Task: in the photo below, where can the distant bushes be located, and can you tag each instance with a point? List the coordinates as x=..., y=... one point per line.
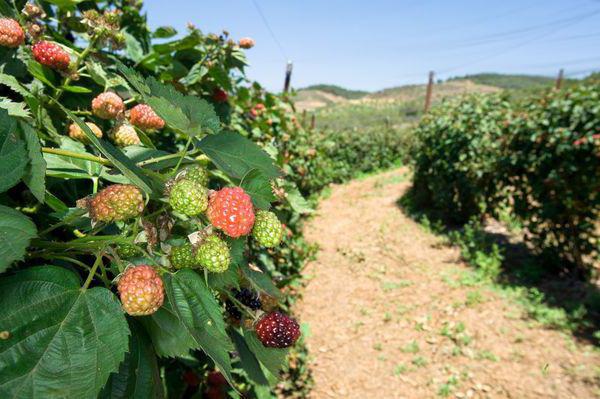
x=541, y=157
x=322, y=158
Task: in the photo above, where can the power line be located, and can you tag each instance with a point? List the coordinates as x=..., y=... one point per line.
x=571, y=21
x=264, y=19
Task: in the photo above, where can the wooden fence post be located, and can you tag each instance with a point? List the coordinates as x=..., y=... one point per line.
x=559, y=79
x=288, y=76
x=429, y=92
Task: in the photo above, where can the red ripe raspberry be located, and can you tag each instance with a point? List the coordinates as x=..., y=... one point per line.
x=220, y=95
x=116, y=202
x=144, y=117
x=11, y=33
x=141, y=290
x=276, y=330
x=51, y=55
x=107, y=105
x=246, y=42
x=230, y=209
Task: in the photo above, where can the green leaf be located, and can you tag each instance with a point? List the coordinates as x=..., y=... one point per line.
x=64, y=342
x=198, y=71
x=67, y=4
x=41, y=73
x=133, y=48
x=103, y=77
x=169, y=335
x=164, y=32
x=16, y=230
x=133, y=172
x=237, y=156
x=13, y=83
x=250, y=363
x=189, y=114
x=260, y=281
x=227, y=279
x=134, y=79
x=258, y=186
x=69, y=167
x=272, y=358
x=138, y=376
x=35, y=174
x=15, y=109
x=139, y=154
x=13, y=155
x=76, y=89
x=6, y=10
x=201, y=316
x=296, y=201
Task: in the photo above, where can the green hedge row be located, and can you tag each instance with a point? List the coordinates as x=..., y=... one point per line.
x=540, y=157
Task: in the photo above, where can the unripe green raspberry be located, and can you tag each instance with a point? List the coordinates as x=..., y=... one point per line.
x=188, y=197
x=182, y=256
x=198, y=174
x=213, y=254
x=267, y=230
x=127, y=250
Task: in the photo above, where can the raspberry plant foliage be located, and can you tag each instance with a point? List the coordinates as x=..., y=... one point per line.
x=90, y=240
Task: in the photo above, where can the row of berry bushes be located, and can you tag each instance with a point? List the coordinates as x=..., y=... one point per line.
x=539, y=157
x=148, y=249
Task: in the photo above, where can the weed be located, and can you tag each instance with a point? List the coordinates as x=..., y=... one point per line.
x=412, y=347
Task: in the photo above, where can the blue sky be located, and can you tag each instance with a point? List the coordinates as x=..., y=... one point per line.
x=374, y=44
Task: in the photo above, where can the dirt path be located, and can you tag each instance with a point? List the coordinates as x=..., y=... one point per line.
x=390, y=316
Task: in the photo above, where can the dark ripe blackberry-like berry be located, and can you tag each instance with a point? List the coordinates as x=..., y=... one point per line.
x=277, y=330
x=248, y=298
x=233, y=311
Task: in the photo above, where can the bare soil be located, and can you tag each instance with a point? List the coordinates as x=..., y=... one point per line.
x=391, y=316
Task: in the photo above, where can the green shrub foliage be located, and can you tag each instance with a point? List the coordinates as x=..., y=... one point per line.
x=553, y=168
x=539, y=157
x=456, y=154
x=63, y=332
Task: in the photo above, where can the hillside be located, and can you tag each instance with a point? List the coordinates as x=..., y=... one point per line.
x=510, y=82
x=323, y=95
x=338, y=91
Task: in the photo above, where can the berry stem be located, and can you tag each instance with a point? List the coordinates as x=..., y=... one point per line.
x=183, y=154
x=71, y=154
x=63, y=222
x=95, y=185
x=82, y=56
x=92, y=271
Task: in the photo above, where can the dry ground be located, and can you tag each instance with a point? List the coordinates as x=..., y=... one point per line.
x=389, y=318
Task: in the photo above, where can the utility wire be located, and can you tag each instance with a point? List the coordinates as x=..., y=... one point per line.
x=264, y=19
x=511, y=48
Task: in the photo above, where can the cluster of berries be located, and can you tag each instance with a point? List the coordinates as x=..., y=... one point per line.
x=46, y=53
x=229, y=210
x=107, y=105
x=257, y=110
x=110, y=106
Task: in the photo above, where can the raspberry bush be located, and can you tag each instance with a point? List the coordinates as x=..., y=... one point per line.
x=127, y=214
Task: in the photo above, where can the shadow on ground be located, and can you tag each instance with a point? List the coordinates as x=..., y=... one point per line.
x=556, y=298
